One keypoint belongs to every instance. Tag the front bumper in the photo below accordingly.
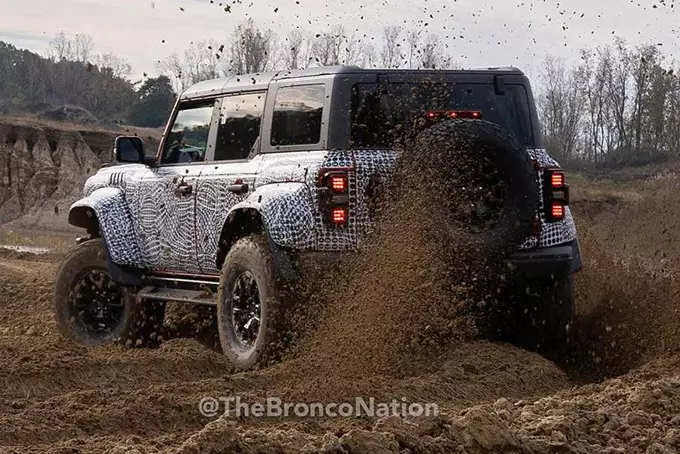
(551, 260)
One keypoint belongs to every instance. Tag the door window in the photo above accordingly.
(239, 126)
(188, 138)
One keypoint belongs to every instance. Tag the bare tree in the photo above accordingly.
(413, 41)
(593, 76)
(119, 66)
(173, 68)
(389, 56)
(643, 62)
(325, 49)
(83, 46)
(295, 48)
(433, 55)
(351, 50)
(560, 110)
(79, 48)
(368, 56)
(252, 49)
(202, 61)
(673, 115)
(60, 47)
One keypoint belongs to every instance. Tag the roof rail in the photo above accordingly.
(497, 68)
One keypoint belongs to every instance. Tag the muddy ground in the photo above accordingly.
(616, 390)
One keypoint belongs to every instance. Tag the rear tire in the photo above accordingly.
(249, 304)
(480, 182)
(539, 316)
(91, 309)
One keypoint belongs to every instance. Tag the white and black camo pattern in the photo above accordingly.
(115, 224)
(146, 225)
(552, 233)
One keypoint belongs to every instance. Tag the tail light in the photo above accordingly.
(556, 193)
(338, 183)
(339, 215)
(472, 114)
(557, 180)
(333, 195)
(557, 210)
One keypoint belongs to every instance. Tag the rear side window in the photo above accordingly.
(297, 115)
(382, 114)
(239, 126)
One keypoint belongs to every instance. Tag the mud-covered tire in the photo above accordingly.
(250, 259)
(135, 323)
(539, 315)
(453, 162)
(549, 319)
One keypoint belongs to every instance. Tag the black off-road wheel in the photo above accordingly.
(91, 309)
(249, 304)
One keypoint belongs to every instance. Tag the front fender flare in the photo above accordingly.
(107, 209)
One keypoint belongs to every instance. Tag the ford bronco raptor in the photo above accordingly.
(254, 172)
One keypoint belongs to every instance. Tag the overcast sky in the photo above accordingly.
(478, 32)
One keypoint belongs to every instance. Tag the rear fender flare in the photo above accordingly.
(287, 213)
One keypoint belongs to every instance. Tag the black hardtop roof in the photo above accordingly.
(260, 81)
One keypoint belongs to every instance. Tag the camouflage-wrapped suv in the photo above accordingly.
(254, 170)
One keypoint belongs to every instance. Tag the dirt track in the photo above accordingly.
(59, 397)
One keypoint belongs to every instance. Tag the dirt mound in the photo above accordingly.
(627, 293)
(59, 397)
(632, 414)
(74, 114)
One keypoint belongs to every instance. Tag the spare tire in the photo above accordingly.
(479, 181)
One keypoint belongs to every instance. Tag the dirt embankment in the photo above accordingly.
(43, 167)
(617, 391)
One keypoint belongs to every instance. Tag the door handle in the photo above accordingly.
(183, 189)
(238, 188)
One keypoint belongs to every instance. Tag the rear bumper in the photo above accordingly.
(550, 260)
(543, 262)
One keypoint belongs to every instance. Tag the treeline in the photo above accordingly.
(619, 106)
(251, 49)
(72, 74)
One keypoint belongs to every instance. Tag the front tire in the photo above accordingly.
(91, 309)
(249, 305)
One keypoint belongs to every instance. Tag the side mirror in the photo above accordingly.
(129, 149)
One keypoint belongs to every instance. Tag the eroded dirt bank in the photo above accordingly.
(618, 391)
(43, 167)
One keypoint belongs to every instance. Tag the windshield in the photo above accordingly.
(383, 113)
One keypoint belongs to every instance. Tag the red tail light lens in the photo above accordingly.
(557, 210)
(557, 180)
(473, 114)
(338, 183)
(555, 193)
(339, 215)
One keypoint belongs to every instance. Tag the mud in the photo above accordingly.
(617, 391)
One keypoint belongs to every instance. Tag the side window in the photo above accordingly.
(239, 127)
(188, 138)
(297, 115)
